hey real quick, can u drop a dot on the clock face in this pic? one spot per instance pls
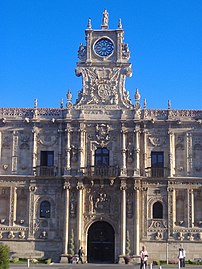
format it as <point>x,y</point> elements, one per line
<point>104,47</point>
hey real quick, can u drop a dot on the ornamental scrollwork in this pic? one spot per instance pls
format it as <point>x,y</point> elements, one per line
<point>157,141</point>
<point>102,133</point>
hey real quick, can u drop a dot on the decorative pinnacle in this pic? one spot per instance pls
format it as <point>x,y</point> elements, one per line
<point>120,24</point>
<point>137,95</point>
<point>69,96</point>
<point>89,23</point>
<point>169,104</point>
<point>145,103</point>
<point>61,103</point>
<point>35,103</point>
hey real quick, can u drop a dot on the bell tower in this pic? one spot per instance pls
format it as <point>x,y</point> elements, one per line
<point>104,66</point>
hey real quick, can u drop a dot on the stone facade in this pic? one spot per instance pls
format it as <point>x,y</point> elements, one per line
<point>102,173</point>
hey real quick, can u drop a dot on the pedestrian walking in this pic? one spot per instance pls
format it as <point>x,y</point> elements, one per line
<point>180,257</point>
<point>80,254</point>
<point>184,257</point>
<point>143,257</point>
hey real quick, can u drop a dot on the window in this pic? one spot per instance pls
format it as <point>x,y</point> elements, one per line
<point>45,209</point>
<point>157,210</point>
<point>47,158</point>
<point>157,164</point>
<point>102,157</point>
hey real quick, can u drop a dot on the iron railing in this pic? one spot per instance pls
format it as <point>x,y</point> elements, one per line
<point>46,171</point>
<point>102,171</point>
<point>156,172</point>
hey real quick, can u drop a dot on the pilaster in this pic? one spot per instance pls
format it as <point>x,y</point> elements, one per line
<point>137,152</point>
<point>32,190</point>
<point>123,189</point>
<point>13,205</point>
<point>68,148</point>
<point>80,188</point>
<point>15,153</point>
<point>60,131</point>
<point>137,219</point>
<point>171,209</point>
<point>144,190</point>
<point>171,153</point>
<point>82,148</point>
<point>190,207</point>
<point>67,187</point>
<point>189,153</point>
<point>144,151</point>
<point>123,151</point>
<point>35,149</point>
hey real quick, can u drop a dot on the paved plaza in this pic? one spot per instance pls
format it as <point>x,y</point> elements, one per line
<point>97,266</point>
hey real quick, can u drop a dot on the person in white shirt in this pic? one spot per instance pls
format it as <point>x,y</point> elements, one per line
<point>180,257</point>
<point>143,257</point>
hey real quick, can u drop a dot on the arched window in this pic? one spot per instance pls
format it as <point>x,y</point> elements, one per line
<point>157,210</point>
<point>45,208</point>
<point>102,157</point>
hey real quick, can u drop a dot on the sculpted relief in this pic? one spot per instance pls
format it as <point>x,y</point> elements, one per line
<point>102,133</point>
<point>100,86</point>
<point>99,203</point>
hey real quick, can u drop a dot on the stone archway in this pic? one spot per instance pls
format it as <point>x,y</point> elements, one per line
<point>101,242</point>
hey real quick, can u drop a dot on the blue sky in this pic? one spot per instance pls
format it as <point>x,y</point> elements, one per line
<point>39,40</point>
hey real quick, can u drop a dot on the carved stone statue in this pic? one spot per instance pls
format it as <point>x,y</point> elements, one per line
<point>125,51</point>
<point>82,52</point>
<point>105,18</point>
<point>130,152</point>
<point>74,153</point>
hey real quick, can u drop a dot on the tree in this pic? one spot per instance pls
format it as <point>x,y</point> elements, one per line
<point>4,256</point>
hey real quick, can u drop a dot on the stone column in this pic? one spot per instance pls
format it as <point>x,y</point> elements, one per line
<point>66,224</point>
<point>119,43</point>
<point>171,153</point>
<point>189,153</point>
<point>31,221</point>
<point>34,154</point>
<point>137,220</point>
<point>80,188</point>
<point>171,209</point>
<point>0,146</point>
<point>123,169</point>
<point>88,44</point>
<point>13,206</point>
<point>190,207</point>
<point>60,150</point>
<point>68,149</point>
<point>144,152</point>
<point>144,209</point>
<point>137,152</point>
<point>82,148</point>
<point>123,188</point>
<point>14,158</point>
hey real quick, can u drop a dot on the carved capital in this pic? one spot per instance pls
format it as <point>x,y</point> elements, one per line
<point>67,186</point>
<point>123,186</point>
<point>32,188</point>
<point>80,186</point>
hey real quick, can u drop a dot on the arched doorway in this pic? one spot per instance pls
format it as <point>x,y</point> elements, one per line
<point>100,242</point>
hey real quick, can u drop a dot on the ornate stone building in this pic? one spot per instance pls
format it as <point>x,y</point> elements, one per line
<point>102,173</point>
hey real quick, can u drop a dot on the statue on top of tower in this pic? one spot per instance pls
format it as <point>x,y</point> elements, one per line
<point>105,19</point>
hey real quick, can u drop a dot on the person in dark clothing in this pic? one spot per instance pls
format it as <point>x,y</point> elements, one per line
<point>80,254</point>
